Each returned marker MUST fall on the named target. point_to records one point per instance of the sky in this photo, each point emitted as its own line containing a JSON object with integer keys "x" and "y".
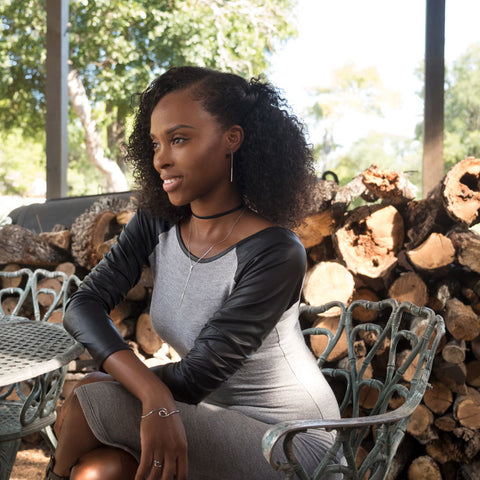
{"x": 386, "y": 34}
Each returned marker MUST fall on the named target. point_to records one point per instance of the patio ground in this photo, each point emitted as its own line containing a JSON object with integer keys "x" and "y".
{"x": 31, "y": 462}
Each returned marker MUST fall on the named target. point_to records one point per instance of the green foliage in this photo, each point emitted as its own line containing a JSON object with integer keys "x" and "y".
{"x": 353, "y": 90}
{"x": 462, "y": 108}
{"x": 118, "y": 47}
{"x": 22, "y": 164}
{"x": 388, "y": 152}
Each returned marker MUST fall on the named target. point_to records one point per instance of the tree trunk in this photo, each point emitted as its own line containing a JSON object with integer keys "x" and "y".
{"x": 116, "y": 181}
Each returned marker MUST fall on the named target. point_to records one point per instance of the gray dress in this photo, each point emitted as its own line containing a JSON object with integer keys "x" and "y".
{"x": 245, "y": 365}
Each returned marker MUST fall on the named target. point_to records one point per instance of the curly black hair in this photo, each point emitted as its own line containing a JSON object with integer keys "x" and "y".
{"x": 274, "y": 168}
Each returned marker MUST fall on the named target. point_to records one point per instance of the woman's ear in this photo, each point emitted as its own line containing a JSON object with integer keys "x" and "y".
{"x": 234, "y": 137}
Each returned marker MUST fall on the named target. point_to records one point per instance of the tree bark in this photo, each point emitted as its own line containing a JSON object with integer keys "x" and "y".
{"x": 116, "y": 181}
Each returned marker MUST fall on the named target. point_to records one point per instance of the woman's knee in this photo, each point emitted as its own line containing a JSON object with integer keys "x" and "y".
{"x": 71, "y": 400}
{"x": 105, "y": 463}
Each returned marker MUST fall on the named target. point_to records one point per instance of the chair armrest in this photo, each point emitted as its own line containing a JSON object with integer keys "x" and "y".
{"x": 276, "y": 432}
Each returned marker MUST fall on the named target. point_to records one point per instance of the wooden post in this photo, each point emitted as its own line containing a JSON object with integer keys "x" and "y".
{"x": 56, "y": 93}
{"x": 433, "y": 168}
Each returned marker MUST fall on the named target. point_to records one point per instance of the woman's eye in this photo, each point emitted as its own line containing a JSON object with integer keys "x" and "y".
{"x": 176, "y": 140}
{"x": 155, "y": 145}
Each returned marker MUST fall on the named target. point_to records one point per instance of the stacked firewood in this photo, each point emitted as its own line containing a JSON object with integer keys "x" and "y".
{"x": 424, "y": 251}
{"x": 370, "y": 239}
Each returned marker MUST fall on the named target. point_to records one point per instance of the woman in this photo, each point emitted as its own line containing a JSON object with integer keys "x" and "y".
{"x": 222, "y": 168}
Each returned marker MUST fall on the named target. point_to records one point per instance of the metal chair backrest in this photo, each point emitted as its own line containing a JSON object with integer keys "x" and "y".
{"x": 30, "y": 292}
{"x": 403, "y": 341}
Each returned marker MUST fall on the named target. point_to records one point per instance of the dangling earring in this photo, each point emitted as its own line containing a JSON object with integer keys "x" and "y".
{"x": 231, "y": 166}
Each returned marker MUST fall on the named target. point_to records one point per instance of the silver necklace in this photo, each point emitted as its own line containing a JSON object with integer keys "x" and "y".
{"x": 209, "y": 249}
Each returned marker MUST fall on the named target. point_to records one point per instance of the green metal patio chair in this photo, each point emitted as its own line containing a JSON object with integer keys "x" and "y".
{"x": 356, "y": 426}
{"x": 29, "y": 406}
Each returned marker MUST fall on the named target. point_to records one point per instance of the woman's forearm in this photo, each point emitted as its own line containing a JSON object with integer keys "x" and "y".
{"x": 137, "y": 378}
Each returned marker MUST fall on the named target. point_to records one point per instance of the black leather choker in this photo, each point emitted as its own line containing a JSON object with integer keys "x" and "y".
{"x": 208, "y": 217}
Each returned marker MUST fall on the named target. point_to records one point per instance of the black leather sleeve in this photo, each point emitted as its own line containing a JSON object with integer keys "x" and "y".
{"x": 87, "y": 312}
{"x": 266, "y": 286}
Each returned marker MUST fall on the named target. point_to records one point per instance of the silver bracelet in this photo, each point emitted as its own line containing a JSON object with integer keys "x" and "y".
{"x": 162, "y": 412}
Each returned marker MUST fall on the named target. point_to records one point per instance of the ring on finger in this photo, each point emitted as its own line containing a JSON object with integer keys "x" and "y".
{"x": 157, "y": 464}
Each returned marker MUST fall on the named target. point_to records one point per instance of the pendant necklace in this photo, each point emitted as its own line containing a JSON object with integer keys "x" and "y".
{"x": 209, "y": 249}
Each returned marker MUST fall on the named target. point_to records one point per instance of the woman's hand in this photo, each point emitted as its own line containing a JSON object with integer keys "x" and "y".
{"x": 163, "y": 439}
{"x": 164, "y": 443}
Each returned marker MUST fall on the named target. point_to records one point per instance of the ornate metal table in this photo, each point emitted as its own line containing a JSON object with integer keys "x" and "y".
{"x": 33, "y": 360}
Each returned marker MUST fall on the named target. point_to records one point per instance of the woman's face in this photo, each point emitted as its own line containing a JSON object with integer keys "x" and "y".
{"x": 190, "y": 150}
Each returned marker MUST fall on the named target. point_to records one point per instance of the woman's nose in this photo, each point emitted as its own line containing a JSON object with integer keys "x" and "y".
{"x": 160, "y": 160}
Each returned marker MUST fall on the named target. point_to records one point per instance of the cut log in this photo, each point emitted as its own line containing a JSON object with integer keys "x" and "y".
{"x": 470, "y": 471}
{"x": 121, "y": 311}
{"x": 421, "y": 425}
{"x": 409, "y": 287}
{"x": 389, "y": 185}
{"x": 9, "y": 304}
{"x": 136, "y": 293}
{"x": 466, "y": 409}
{"x": 453, "y": 375}
{"x": 421, "y": 219}
{"x": 446, "y": 423}
{"x": 326, "y": 282}
{"x": 349, "y": 192}
{"x": 410, "y": 370}
{"x": 93, "y": 227}
{"x": 46, "y": 299}
{"x": 315, "y": 228}
{"x": 361, "y": 314}
{"x": 442, "y": 292}
{"x": 461, "y": 191}
{"x": 57, "y": 239}
{"x": 436, "y": 252}
{"x": 475, "y": 347}
{"x": 124, "y": 216}
{"x": 146, "y": 337}
{"x": 454, "y": 351}
{"x": 471, "y": 439}
{"x": 23, "y": 246}
{"x": 461, "y": 321}
{"x": 66, "y": 267}
{"x": 319, "y": 343}
{"x": 447, "y": 449}
{"x": 473, "y": 373}
{"x": 438, "y": 398}
{"x": 10, "y": 282}
{"x": 370, "y": 239}
{"x": 467, "y": 246}
{"x": 368, "y": 397}
{"x": 424, "y": 468}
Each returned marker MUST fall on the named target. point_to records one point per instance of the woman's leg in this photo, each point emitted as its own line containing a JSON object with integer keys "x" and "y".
{"x": 78, "y": 447}
{"x": 105, "y": 463}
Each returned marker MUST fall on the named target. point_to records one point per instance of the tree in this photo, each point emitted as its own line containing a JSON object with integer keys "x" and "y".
{"x": 462, "y": 108}
{"x": 353, "y": 90}
{"x": 116, "y": 49}
{"x": 390, "y": 152}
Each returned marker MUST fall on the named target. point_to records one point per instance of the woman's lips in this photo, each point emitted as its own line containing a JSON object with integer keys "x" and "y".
{"x": 172, "y": 183}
